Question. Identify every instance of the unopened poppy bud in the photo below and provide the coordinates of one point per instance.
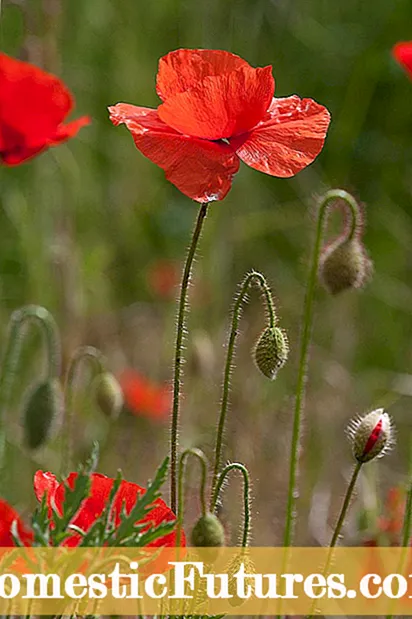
(208, 532)
(42, 412)
(241, 564)
(371, 435)
(344, 265)
(109, 395)
(271, 351)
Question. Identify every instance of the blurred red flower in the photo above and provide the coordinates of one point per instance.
(7, 516)
(402, 52)
(33, 106)
(92, 507)
(217, 109)
(163, 278)
(144, 397)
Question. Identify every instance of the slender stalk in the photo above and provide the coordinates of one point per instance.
(197, 453)
(174, 429)
(17, 331)
(80, 356)
(307, 323)
(246, 496)
(271, 317)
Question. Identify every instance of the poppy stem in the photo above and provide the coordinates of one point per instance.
(197, 453)
(80, 355)
(236, 466)
(14, 341)
(271, 318)
(174, 429)
(307, 324)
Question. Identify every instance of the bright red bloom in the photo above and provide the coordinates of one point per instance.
(7, 516)
(93, 506)
(144, 397)
(33, 106)
(216, 110)
(402, 52)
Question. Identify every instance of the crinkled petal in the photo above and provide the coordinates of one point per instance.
(403, 54)
(288, 141)
(185, 68)
(201, 170)
(221, 106)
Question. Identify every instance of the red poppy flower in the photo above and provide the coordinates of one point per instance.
(163, 278)
(217, 109)
(144, 397)
(402, 52)
(7, 516)
(33, 106)
(93, 506)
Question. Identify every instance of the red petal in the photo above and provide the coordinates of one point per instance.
(288, 141)
(7, 517)
(45, 483)
(403, 54)
(144, 397)
(185, 68)
(69, 130)
(221, 106)
(33, 105)
(201, 170)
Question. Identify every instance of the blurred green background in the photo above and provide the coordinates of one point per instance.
(83, 226)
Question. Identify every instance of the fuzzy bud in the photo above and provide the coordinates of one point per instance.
(245, 564)
(109, 395)
(208, 532)
(271, 351)
(344, 265)
(42, 413)
(371, 435)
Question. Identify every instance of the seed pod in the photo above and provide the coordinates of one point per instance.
(243, 563)
(208, 532)
(271, 351)
(109, 395)
(371, 435)
(344, 265)
(43, 410)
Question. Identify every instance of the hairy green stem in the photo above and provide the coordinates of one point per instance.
(196, 453)
(98, 362)
(307, 322)
(236, 466)
(17, 331)
(174, 429)
(271, 317)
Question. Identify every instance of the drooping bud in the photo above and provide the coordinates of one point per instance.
(271, 351)
(242, 566)
(109, 395)
(208, 532)
(371, 435)
(344, 265)
(42, 413)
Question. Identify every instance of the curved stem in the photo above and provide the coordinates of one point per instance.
(98, 362)
(246, 496)
(307, 322)
(174, 429)
(197, 453)
(271, 317)
(14, 341)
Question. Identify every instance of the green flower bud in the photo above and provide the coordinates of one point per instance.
(43, 411)
(271, 351)
(344, 265)
(208, 532)
(109, 395)
(243, 563)
(371, 435)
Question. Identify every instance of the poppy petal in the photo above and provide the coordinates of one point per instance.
(185, 68)
(45, 483)
(402, 52)
(288, 141)
(69, 130)
(221, 106)
(7, 517)
(199, 169)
